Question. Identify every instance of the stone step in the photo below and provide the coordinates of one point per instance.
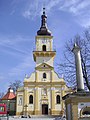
(42, 116)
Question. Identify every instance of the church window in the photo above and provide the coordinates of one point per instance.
(44, 47)
(44, 75)
(58, 99)
(31, 99)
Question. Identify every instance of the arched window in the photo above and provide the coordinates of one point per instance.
(31, 99)
(44, 75)
(58, 99)
(44, 47)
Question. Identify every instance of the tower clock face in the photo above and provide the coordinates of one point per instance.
(44, 41)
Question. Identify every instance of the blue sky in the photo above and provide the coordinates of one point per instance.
(19, 22)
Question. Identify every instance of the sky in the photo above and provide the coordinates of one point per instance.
(19, 22)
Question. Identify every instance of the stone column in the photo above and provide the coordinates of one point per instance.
(79, 73)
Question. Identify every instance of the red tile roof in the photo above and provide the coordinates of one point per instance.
(8, 96)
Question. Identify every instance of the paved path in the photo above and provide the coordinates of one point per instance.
(10, 118)
(28, 118)
(32, 119)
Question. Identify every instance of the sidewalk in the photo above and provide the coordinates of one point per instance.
(18, 118)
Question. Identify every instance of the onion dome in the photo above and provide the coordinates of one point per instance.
(43, 29)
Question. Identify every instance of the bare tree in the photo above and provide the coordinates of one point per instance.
(15, 85)
(68, 66)
(1, 94)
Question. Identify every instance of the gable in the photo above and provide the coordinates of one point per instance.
(44, 66)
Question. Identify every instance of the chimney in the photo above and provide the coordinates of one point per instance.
(78, 64)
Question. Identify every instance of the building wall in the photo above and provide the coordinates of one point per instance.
(40, 76)
(48, 60)
(75, 105)
(43, 41)
(19, 102)
(11, 106)
(44, 97)
(48, 76)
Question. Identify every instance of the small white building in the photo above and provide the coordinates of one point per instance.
(10, 100)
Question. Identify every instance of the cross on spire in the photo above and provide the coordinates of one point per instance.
(44, 19)
(44, 11)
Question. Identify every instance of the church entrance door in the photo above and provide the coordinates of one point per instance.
(45, 109)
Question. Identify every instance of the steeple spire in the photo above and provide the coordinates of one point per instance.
(44, 17)
(43, 29)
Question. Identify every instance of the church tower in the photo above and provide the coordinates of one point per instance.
(43, 90)
(44, 44)
(44, 53)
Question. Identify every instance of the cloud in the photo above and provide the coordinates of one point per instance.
(84, 22)
(80, 9)
(15, 44)
(32, 9)
(1, 77)
(12, 12)
(52, 4)
(77, 8)
(13, 39)
(20, 69)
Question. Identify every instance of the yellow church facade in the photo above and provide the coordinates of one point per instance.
(43, 91)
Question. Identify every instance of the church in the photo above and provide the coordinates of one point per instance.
(42, 92)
